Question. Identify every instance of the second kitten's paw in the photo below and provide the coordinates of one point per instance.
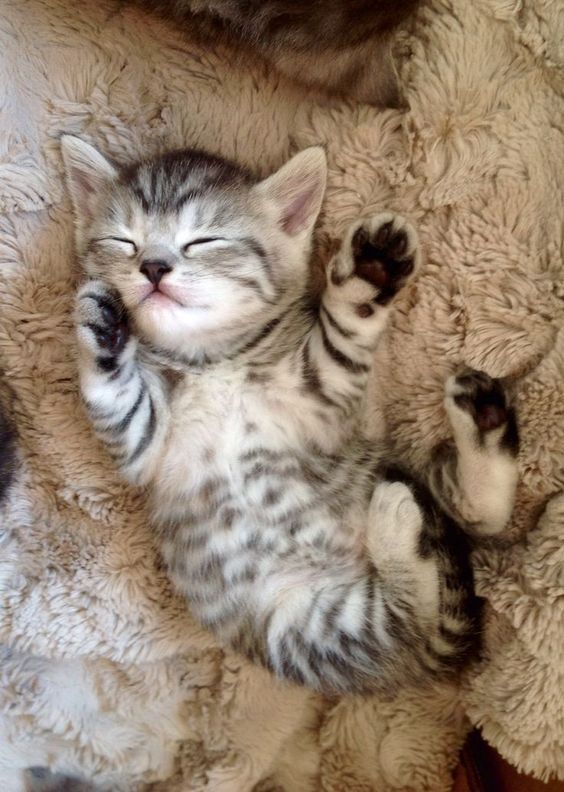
(101, 319)
(478, 402)
(382, 251)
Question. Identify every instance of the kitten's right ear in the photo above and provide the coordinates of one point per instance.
(87, 172)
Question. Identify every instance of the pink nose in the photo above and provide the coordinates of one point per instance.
(155, 269)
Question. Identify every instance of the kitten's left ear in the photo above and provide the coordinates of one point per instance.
(296, 191)
(87, 173)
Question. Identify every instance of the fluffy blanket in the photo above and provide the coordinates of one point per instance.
(103, 673)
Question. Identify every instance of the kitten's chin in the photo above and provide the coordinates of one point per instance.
(174, 328)
(196, 331)
(161, 321)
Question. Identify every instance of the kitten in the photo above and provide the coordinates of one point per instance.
(340, 46)
(294, 539)
(8, 439)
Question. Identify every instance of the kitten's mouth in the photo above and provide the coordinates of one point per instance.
(161, 295)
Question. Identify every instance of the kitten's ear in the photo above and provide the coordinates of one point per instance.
(87, 172)
(296, 190)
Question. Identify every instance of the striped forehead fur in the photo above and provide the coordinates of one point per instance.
(166, 183)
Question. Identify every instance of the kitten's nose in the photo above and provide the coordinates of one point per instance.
(154, 269)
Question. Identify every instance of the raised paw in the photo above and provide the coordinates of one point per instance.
(484, 401)
(101, 319)
(384, 252)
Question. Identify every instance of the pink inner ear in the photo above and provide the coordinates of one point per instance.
(82, 181)
(298, 212)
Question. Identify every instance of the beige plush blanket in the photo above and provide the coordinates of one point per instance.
(102, 671)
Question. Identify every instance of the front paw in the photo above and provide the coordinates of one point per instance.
(382, 251)
(101, 319)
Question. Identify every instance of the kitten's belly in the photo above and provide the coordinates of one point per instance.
(237, 508)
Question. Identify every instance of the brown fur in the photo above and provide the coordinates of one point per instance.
(339, 46)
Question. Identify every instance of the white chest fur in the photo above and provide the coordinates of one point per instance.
(216, 418)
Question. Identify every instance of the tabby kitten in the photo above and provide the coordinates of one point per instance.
(294, 538)
(339, 46)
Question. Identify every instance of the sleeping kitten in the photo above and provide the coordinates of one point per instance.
(294, 539)
(339, 46)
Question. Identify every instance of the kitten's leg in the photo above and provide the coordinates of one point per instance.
(126, 402)
(377, 257)
(423, 560)
(475, 479)
(395, 525)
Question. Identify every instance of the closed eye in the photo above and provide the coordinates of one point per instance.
(200, 241)
(122, 241)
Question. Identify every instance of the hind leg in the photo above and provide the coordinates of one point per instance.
(421, 558)
(475, 479)
(395, 526)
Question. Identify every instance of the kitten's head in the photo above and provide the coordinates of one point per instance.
(203, 254)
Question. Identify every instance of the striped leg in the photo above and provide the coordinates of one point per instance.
(126, 402)
(377, 258)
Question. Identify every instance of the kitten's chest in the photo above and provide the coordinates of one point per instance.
(217, 424)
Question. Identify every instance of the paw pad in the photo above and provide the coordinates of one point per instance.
(485, 400)
(103, 313)
(384, 251)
